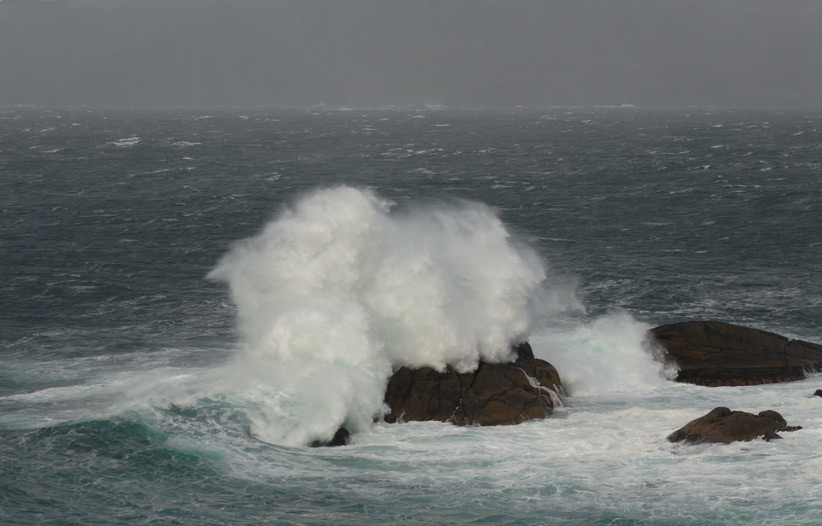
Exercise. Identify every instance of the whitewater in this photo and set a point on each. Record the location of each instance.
(179, 323)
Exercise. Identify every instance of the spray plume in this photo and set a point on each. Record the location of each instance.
(340, 290)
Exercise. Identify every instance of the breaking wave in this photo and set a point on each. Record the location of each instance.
(608, 354)
(341, 288)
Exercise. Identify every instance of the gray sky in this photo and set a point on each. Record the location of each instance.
(366, 53)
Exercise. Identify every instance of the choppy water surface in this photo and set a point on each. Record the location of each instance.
(136, 389)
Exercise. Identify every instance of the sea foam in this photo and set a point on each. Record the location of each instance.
(342, 288)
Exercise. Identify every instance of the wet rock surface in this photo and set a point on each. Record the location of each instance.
(715, 353)
(493, 394)
(726, 426)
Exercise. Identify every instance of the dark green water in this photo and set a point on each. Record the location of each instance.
(111, 220)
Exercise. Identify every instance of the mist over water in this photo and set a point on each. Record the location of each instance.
(340, 289)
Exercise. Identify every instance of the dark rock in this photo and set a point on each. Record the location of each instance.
(724, 425)
(714, 353)
(818, 392)
(494, 394)
(341, 438)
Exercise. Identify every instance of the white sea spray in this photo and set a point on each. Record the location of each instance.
(339, 290)
(608, 354)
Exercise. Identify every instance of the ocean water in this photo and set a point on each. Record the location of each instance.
(188, 298)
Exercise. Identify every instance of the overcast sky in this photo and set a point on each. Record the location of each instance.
(371, 53)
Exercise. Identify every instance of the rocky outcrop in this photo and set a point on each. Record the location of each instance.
(494, 394)
(714, 353)
(724, 425)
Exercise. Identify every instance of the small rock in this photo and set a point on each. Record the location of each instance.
(726, 426)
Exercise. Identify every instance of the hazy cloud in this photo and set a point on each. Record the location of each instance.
(410, 52)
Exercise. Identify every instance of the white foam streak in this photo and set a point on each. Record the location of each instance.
(127, 141)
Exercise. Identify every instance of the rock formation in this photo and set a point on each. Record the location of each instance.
(724, 425)
(494, 394)
(715, 353)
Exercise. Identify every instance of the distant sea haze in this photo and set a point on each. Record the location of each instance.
(192, 297)
(374, 53)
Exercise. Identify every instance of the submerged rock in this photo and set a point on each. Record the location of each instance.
(341, 438)
(726, 426)
(494, 394)
(714, 353)
(818, 392)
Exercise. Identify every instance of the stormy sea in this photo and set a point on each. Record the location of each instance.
(189, 298)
